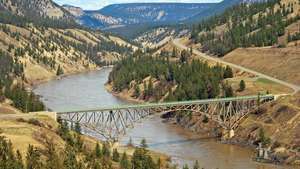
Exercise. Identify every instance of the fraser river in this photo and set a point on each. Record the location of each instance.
(87, 90)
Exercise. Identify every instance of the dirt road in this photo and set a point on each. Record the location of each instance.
(296, 88)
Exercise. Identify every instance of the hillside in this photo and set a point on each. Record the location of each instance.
(282, 63)
(254, 25)
(34, 8)
(138, 13)
(38, 141)
(34, 51)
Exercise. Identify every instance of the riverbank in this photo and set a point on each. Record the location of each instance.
(33, 84)
(124, 95)
(88, 91)
(248, 134)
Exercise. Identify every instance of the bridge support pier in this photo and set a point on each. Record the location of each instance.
(112, 122)
(231, 133)
(228, 134)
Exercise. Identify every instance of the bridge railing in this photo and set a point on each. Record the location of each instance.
(167, 104)
(111, 122)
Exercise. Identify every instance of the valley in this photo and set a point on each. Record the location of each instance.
(60, 57)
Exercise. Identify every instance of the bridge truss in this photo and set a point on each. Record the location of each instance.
(113, 122)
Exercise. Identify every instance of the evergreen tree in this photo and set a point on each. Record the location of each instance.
(33, 158)
(196, 165)
(242, 85)
(116, 155)
(125, 163)
(77, 128)
(105, 150)
(98, 151)
(70, 161)
(228, 72)
(130, 142)
(59, 71)
(185, 167)
(228, 91)
(136, 91)
(144, 144)
(174, 52)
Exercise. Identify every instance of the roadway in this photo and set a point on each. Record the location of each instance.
(295, 87)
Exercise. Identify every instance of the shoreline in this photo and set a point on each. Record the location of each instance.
(32, 85)
(126, 97)
(122, 95)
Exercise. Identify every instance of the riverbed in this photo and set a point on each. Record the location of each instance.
(87, 90)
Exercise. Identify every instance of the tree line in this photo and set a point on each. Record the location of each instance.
(24, 100)
(242, 28)
(194, 80)
(75, 155)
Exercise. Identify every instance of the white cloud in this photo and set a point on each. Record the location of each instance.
(98, 4)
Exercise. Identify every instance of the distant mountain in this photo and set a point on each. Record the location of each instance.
(138, 13)
(129, 20)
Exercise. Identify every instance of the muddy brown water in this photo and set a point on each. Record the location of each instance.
(87, 90)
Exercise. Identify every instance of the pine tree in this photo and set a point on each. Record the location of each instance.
(116, 155)
(228, 72)
(144, 144)
(130, 142)
(150, 88)
(125, 163)
(77, 128)
(59, 71)
(185, 167)
(136, 91)
(98, 151)
(33, 158)
(105, 150)
(228, 91)
(242, 86)
(174, 52)
(196, 165)
(70, 160)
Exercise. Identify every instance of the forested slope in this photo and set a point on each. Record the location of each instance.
(247, 25)
(165, 79)
(36, 49)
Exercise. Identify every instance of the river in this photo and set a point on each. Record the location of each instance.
(87, 90)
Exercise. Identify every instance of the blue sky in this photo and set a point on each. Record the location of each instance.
(97, 4)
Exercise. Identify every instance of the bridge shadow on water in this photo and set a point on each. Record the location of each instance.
(181, 141)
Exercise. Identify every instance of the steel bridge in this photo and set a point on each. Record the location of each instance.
(112, 122)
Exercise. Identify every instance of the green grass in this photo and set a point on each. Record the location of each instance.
(265, 81)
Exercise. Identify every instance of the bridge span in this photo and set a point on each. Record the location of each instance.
(112, 122)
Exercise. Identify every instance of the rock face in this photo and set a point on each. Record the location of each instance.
(76, 11)
(34, 8)
(138, 13)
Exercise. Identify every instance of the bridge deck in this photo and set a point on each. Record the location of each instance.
(181, 103)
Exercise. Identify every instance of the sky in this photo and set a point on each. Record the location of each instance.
(98, 4)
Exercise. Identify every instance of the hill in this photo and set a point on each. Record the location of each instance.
(254, 25)
(33, 50)
(139, 13)
(34, 8)
(38, 141)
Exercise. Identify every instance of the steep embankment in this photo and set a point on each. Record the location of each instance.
(45, 143)
(281, 63)
(45, 53)
(39, 41)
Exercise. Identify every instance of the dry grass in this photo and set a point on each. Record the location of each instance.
(281, 63)
(21, 133)
(257, 85)
(7, 109)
